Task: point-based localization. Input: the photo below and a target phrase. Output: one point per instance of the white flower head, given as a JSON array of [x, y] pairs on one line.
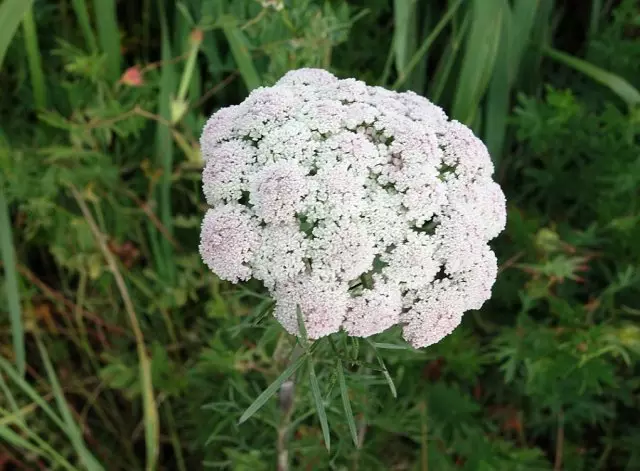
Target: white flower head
[[363, 207]]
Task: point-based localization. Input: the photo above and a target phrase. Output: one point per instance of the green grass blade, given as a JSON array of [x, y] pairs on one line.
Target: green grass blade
[[497, 103], [392, 346], [447, 60], [238, 44], [9, 395], [516, 32], [404, 34], [82, 15], [10, 437], [151, 421], [72, 429], [28, 390], [346, 403], [386, 70], [523, 20], [109, 35], [594, 19], [385, 372], [303, 337], [426, 44], [11, 14], [317, 398], [614, 82], [34, 60], [480, 55], [189, 78], [164, 146], [40, 448], [271, 390], [11, 282]]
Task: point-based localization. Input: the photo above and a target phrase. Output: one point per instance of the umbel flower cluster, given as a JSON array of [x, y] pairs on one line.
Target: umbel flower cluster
[[363, 206]]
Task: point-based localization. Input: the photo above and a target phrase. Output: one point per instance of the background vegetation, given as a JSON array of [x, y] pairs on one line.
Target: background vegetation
[[120, 351]]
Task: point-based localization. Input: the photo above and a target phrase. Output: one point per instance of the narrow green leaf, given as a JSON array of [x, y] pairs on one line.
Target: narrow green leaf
[[72, 430], [40, 447], [187, 76], [391, 346], [34, 60], [165, 148], [109, 35], [271, 390], [497, 103], [11, 14], [404, 34], [9, 395], [31, 393], [11, 282], [523, 20], [481, 51], [346, 403], [238, 44], [614, 82], [317, 398], [426, 44], [184, 12], [447, 60], [516, 33], [304, 337], [385, 372], [82, 15], [9, 436], [386, 70], [594, 20], [151, 421]]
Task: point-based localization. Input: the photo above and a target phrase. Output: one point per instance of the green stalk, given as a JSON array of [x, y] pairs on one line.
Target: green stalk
[[424, 47], [82, 15], [109, 35], [34, 59], [11, 282], [164, 143]]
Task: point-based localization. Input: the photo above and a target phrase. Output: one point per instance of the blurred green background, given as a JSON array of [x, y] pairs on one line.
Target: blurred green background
[[120, 351]]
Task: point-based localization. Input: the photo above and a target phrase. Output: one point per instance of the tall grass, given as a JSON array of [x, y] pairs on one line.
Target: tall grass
[[108, 34], [11, 14], [481, 53], [164, 145], [62, 419], [34, 59], [516, 30], [239, 49], [618, 85], [84, 22], [475, 72], [11, 281]]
